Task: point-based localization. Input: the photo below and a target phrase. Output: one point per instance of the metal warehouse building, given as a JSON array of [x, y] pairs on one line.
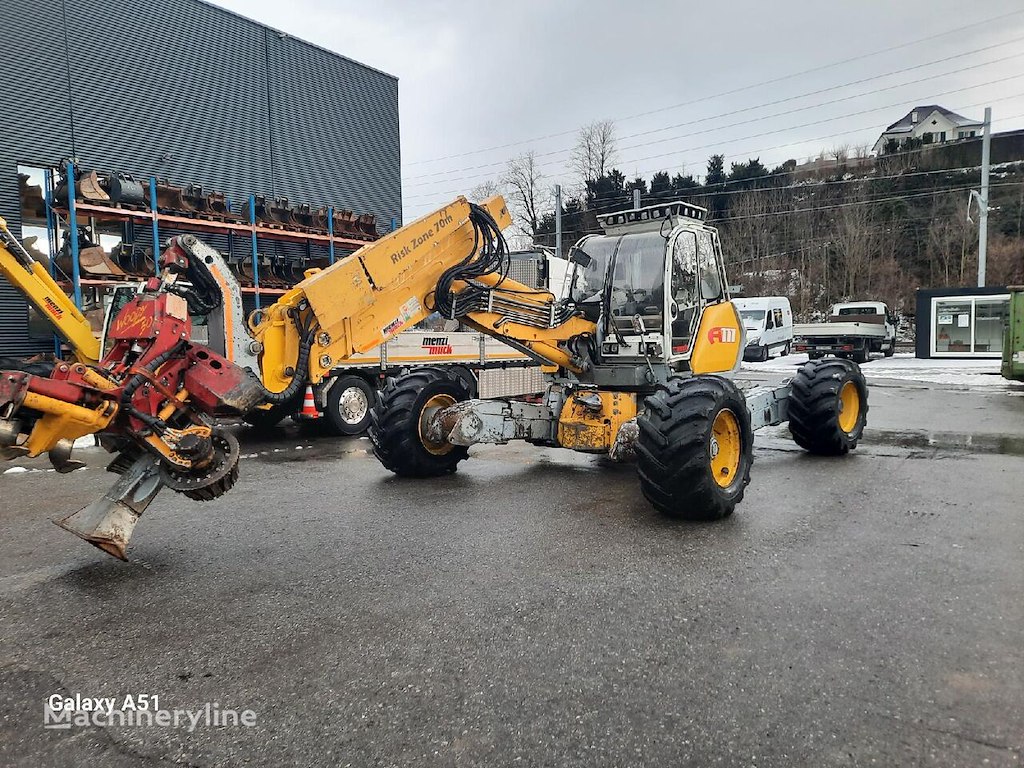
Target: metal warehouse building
[[184, 90]]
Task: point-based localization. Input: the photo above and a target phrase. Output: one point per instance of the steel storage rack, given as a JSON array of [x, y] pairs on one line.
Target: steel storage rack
[[65, 203]]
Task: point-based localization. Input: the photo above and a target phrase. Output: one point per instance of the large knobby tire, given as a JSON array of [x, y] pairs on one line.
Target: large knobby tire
[[828, 406], [349, 401], [397, 426], [695, 448]]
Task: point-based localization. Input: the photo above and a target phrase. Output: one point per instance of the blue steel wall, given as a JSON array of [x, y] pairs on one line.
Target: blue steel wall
[[187, 91]]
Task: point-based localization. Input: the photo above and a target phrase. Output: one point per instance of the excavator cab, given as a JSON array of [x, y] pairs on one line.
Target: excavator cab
[[647, 283]]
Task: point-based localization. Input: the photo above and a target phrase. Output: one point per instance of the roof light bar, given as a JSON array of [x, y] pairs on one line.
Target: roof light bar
[[652, 217]]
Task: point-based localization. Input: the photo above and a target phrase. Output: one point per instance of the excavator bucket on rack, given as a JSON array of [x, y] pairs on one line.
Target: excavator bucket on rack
[[170, 197], [95, 261], [126, 189], [217, 205], [280, 212], [194, 198], [303, 216], [89, 187], [367, 224], [244, 270]]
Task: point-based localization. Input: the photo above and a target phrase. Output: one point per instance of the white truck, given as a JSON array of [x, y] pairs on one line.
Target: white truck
[[854, 329]]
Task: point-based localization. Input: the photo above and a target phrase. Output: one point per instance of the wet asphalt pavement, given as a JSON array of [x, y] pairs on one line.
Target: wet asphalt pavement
[[533, 610]]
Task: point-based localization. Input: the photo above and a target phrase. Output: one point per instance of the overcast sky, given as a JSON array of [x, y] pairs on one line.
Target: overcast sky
[[476, 76]]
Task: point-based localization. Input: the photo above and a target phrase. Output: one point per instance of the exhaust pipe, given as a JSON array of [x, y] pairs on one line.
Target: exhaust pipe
[[108, 522]]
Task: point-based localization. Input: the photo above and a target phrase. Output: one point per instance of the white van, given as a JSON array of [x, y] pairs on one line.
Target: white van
[[768, 321]]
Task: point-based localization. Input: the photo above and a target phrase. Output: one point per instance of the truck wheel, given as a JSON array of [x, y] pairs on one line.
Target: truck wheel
[[862, 355], [763, 354], [891, 350], [348, 405], [828, 407], [397, 428], [695, 448]]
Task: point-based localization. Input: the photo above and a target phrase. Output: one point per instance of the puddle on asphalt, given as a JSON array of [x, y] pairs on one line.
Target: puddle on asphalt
[[1008, 445]]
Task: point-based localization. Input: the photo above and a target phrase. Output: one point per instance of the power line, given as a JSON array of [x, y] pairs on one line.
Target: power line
[[734, 91], [835, 206], [717, 188], [788, 99], [720, 143]]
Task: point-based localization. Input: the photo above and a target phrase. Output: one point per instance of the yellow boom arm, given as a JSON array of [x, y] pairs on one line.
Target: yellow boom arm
[[31, 278], [386, 286]]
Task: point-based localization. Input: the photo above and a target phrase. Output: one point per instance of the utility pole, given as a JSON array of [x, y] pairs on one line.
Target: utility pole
[[986, 147], [636, 199], [558, 220]]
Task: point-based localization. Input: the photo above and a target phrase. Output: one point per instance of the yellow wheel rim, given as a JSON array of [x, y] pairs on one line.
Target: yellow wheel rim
[[726, 448], [432, 406], [849, 407]]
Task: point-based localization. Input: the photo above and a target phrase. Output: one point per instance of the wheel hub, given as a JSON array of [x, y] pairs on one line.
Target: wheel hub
[[725, 448], [848, 407], [213, 479], [432, 406], [353, 405]]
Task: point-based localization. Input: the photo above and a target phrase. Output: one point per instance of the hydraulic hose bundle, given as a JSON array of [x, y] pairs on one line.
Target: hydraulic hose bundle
[[307, 329], [488, 256]]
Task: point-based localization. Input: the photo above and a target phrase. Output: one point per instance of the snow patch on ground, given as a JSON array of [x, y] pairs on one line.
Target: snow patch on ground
[[968, 374]]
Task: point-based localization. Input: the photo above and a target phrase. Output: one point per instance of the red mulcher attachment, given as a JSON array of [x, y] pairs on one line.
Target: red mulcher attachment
[[153, 400]]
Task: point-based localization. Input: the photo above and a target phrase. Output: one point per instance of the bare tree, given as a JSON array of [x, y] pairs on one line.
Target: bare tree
[[840, 153], [485, 189], [595, 150], [528, 197], [950, 239], [856, 240]]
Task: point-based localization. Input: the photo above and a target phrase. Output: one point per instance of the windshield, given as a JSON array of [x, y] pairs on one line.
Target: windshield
[[588, 281], [638, 284], [752, 318], [637, 280]]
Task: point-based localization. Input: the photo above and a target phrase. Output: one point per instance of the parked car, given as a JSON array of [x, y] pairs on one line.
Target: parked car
[[768, 321]]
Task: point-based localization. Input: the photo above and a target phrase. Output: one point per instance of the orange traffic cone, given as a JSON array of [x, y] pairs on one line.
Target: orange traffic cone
[[309, 410]]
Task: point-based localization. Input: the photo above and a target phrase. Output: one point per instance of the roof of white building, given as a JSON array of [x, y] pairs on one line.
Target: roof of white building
[[907, 123]]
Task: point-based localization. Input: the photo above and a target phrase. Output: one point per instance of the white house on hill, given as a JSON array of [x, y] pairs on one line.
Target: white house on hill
[[931, 124]]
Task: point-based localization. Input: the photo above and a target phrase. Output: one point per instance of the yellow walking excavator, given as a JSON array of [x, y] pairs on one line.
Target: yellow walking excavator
[[638, 354]]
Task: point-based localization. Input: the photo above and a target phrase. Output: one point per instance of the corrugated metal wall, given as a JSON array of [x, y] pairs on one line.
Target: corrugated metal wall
[[187, 91]]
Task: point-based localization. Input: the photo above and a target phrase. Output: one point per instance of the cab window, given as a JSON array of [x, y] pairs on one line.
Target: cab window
[[710, 276]]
